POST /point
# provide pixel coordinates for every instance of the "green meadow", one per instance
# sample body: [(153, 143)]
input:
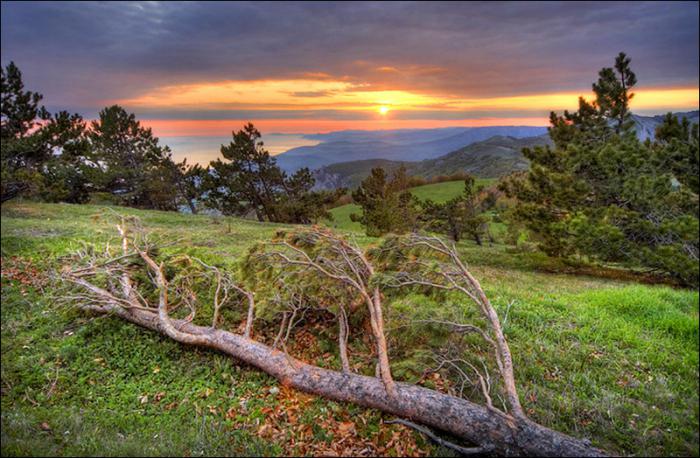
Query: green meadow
[(438, 192), (597, 353)]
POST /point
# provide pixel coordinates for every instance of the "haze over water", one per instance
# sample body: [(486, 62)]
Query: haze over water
[(203, 149)]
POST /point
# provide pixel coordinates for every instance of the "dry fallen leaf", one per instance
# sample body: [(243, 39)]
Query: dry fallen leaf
[(346, 427)]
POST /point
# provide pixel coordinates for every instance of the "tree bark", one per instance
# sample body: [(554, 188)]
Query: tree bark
[(491, 430), (193, 207), (343, 339)]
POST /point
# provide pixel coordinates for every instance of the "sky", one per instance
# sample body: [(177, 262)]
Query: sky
[(202, 69)]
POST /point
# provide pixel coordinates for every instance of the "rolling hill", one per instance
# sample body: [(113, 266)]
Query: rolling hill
[(396, 145), (419, 144), (491, 158)]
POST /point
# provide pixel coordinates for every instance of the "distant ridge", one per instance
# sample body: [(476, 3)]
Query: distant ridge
[(490, 158), (493, 157), (397, 145), (646, 125)]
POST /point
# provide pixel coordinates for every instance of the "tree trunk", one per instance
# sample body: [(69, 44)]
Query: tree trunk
[(343, 339), (491, 430), (455, 233), (193, 207)]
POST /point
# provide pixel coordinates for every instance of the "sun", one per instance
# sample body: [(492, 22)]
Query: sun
[(383, 109)]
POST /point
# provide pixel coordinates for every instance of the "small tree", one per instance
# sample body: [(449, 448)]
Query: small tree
[(676, 149), (386, 206), (42, 154), (299, 204), (68, 174), (190, 183), (22, 147), (135, 169), (613, 93), (249, 180), (462, 215)]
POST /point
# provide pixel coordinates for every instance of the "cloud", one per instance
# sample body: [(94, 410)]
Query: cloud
[(312, 93), (86, 54), (335, 98)]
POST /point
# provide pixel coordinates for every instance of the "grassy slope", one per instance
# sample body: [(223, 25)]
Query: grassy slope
[(613, 361), (494, 157), (438, 192)]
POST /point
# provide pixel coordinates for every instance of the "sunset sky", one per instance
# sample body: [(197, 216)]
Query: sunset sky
[(198, 69)]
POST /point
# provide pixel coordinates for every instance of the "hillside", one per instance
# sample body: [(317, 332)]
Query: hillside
[(600, 358), (646, 125), (438, 192), (491, 158), (412, 145), (396, 145)]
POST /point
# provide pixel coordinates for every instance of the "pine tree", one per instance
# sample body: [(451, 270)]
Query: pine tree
[(677, 150), (190, 183), (613, 93), (386, 205), (69, 175), (299, 204), (42, 154), (135, 169), (460, 216), (602, 193), (248, 180)]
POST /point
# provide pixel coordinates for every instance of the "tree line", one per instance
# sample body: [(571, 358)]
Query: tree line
[(62, 158), (387, 206)]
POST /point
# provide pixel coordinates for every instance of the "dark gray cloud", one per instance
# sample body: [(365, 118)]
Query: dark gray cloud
[(82, 54)]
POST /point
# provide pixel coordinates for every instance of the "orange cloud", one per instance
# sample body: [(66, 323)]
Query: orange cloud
[(329, 94), (644, 99)]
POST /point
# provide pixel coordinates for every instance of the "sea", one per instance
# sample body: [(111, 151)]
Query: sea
[(203, 149)]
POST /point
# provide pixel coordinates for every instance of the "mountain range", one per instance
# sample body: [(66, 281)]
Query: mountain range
[(646, 125), (344, 158), (397, 145), (493, 157)]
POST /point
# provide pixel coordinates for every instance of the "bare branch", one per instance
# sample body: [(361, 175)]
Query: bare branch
[(349, 266), (458, 277), (464, 451)]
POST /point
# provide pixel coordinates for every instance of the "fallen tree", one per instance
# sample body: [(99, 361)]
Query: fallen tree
[(133, 286)]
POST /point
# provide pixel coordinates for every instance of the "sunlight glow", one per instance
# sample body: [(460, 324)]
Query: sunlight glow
[(329, 94)]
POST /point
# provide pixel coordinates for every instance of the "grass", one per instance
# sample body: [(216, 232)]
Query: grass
[(611, 360), (442, 192), (438, 192)]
